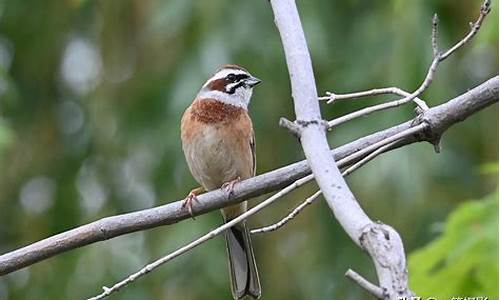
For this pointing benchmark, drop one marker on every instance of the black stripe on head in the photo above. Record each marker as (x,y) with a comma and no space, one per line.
(236,77)
(236,81)
(236,86)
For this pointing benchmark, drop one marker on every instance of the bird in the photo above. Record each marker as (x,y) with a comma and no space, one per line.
(218,142)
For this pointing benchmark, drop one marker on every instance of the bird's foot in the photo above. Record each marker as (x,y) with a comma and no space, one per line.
(191,197)
(229,186)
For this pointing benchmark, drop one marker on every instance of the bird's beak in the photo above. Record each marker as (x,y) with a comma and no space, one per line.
(253,81)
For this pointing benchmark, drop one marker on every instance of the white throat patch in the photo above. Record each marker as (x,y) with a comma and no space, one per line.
(240,98)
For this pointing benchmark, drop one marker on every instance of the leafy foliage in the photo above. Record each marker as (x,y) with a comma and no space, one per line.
(463,261)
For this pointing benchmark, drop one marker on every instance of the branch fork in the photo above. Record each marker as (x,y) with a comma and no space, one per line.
(385,247)
(376,291)
(430,133)
(298,126)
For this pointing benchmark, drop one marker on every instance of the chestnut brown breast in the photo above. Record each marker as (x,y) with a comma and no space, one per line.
(213,111)
(217,140)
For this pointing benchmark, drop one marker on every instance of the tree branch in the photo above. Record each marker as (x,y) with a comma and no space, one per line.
(389,263)
(371,288)
(381,241)
(485,10)
(331,97)
(289,217)
(208,236)
(439,119)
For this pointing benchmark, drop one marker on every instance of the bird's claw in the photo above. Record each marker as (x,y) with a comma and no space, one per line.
(189,202)
(229,186)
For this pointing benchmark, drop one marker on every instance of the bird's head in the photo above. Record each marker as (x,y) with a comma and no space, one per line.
(231,84)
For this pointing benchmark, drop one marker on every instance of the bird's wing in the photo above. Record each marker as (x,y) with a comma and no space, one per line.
(254,157)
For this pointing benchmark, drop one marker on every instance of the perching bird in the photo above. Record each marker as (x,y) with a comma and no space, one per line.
(219,145)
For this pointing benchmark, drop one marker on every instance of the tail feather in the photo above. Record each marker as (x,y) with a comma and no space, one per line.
(242,266)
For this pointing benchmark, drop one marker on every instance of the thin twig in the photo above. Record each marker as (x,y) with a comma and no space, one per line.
(371,288)
(332,97)
(371,109)
(150,267)
(369,157)
(434,36)
(485,9)
(361,153)
(289,217)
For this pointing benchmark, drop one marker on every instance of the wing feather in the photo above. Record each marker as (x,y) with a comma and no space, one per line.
(254,157)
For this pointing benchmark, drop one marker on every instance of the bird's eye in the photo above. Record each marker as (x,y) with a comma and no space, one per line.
(231,77)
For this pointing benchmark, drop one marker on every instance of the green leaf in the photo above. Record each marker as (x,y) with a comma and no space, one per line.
(463,261)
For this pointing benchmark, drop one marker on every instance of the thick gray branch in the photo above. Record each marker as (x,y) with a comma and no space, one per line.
(312,131)
(439,117)
(380,241)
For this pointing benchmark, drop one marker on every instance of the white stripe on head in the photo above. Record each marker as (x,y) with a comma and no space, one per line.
(224,72)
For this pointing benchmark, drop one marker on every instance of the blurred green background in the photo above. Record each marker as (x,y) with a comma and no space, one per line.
(91,96)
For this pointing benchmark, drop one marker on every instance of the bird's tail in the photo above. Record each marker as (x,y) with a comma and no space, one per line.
(242,267)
